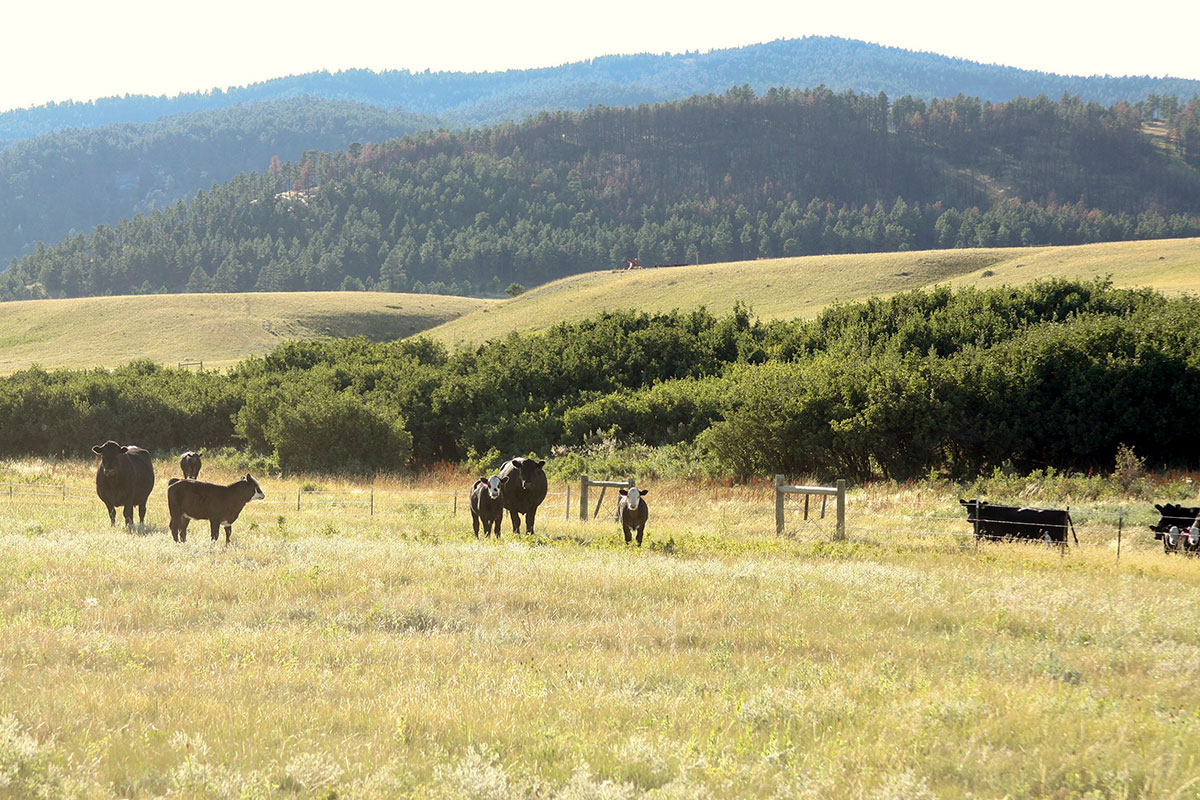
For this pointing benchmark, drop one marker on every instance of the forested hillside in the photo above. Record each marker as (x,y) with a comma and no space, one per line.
(712,178)
(1056,374)
(78,179)
(488,98)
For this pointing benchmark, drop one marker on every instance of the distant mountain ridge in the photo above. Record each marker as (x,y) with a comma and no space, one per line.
(484,98)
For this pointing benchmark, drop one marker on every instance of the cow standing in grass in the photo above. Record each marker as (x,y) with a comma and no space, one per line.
(189,463)
(220,505)
(633,513)
(486,505)
(522,489)
(124,478)
(1178,528)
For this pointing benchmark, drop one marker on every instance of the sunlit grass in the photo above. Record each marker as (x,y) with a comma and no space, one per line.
(791,288)
(216,329)
(396,656)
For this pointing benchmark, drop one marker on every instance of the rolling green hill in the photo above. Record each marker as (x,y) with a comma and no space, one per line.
(789,288)
(216,329)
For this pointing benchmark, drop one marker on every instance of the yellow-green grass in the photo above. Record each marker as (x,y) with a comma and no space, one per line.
(399,657)
(790,288)
(218,329)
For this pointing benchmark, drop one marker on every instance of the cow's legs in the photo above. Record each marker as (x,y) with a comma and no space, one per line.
(529,517)
(128,512)
(112,514)
(475,524)
(641,528)
(215,525)
(628,533)
(228,533)
(516,521)
(183,529)
(141,514)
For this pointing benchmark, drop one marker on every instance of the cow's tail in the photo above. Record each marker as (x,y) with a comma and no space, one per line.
(1072,524)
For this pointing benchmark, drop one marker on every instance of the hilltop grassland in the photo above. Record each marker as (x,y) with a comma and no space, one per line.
(218,329)
(791,288)
(332,653)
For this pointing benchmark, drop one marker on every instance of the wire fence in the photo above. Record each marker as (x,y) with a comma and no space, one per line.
(366,502)
(902,521)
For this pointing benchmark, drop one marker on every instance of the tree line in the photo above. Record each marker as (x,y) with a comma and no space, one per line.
(1057,373)
(711,178)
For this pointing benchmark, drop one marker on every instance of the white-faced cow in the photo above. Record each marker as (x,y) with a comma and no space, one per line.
(486,505)
(633,513)
(1177,527)
(220,505)
(189,462)
(1013,522)
(124,478)
(522,489)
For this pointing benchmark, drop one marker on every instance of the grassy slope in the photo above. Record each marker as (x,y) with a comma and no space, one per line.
(800,287)
(398,657)
(216,328)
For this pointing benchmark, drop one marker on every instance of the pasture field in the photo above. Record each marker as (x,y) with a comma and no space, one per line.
(218,329)
(331,652)
(790,288)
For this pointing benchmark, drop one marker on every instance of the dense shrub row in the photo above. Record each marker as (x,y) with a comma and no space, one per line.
(1055,374)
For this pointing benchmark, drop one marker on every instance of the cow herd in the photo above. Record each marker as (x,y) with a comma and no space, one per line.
(125,478)
(1178,526)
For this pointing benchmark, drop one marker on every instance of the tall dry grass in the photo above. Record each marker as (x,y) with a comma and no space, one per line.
(332,653)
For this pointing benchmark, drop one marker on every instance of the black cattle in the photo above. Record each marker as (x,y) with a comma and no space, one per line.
(1013,522)
(632,511)
(1175,526)
(522,490)
(220,505)
(487,506)
(189,462)
(124,478)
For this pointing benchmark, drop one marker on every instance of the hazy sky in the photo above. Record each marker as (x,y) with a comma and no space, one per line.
(83,49)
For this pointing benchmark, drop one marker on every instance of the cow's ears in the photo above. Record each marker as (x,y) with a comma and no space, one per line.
(964,502)
(505,478)
(248,477)
(624,493)
(642,493)
(96,450)
(1157,507)
(541,463)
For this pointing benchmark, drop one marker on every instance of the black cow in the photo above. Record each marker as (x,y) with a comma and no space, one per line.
(220,505)
(1175,526)
(189,462)
(633,513)
(522,489)
(125,478)
(486,505)
(1013,522)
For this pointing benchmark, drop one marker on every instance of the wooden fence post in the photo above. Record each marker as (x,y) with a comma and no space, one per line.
(841,509)
(372,501)
(568,502)
(778,505)
(297,499)
(1120,524)
(583,498)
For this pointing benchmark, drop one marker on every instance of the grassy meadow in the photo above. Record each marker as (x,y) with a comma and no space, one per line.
(789,288)
(218,329)
(330,652)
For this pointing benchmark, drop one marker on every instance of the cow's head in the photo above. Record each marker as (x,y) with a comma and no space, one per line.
(973,507)
(633,497)
(110,454)
(528,469)
(493,485)
(258,492)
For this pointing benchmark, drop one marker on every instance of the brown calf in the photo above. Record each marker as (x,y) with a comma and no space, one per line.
(220,505)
